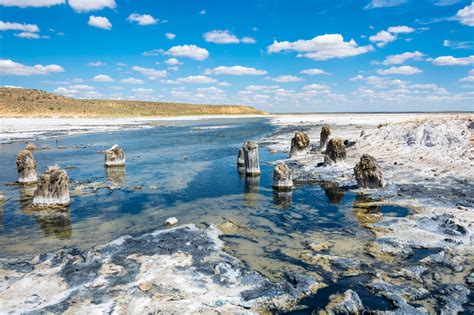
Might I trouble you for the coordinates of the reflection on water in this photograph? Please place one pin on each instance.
(115, 175)
(251, 190)
(333, 192)
(282, 199)
(56, 224)
(27, 193)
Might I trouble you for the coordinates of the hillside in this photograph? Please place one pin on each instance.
(36, 103)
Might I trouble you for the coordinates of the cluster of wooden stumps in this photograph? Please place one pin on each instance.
(52, 186)
(367, 172)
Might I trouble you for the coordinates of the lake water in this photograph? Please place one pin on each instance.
(187, 170)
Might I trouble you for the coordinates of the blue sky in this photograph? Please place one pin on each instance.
(279, 56)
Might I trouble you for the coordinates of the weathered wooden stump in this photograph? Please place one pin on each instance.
(30, 146)
(335, 152)
(52, 188)
(299, 143)
(26, 167)
(324, 136)
(252, 164)
(368, 173)
(241, 157)
(114, 156)
(282, 177)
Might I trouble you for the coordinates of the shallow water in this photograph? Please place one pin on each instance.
(188, 171)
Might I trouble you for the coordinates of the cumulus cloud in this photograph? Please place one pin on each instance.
(150, 72)
(469, 79)
(382, 38)
(31, 3)
(100, 22)
(374, 4)
(142, 19)
(187, 51)
(102, 78)
(170, 36)
(196, 79)
(88, 5)
(29, 35)
(82, 87)
(226, 37)
(96, 64)
(132, 81)
(65, 91)
(235, 70)
(401, 58)
(9, 26)
(142, 91)
(466, 15)
(9, 67)
(321, 47)
(316, 87)
(173, 62)
(453, 61)
(404, 70)
(285, 78)
(313, 71)
(400, 29)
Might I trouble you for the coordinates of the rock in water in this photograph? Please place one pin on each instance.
(52, 188)
(171, 221)
(115, 156)
(368, 173)
(347, 303)
(299, 142)
(282, 177)
(241, 157)
(26, 167)
(335, 152)
(252, 164)
(324, 137)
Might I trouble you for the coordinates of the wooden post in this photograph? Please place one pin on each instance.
(299, 143)
(252, 164)
(324, 137)
(26, 167)
(335, 152)
(282, 177)
(114, 156)
(368, 173)
(52, 188)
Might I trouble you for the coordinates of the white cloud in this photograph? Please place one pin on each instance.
(400, 29)
(196, 79)
(100, 22)
(458, 44)
(150, 72)
(96, 64)
(446, 2)
(142, 91)
(82, 87)
(471, 72)
(91, 5)
(170, 36)
(29, 35)
(401, 58)
(65, 91)
(132, 81)
(173, 62)
(321, 47)
(221, 37)
(142, 19)
(403, 70)
(316, 87)
(466, 15)
(453, 61)
(9, 26)
(102, 78)
(467, 79)
(373, 4)
(30, 3)
(313, 71)
(235, 70)
(226, 37)
(285, 79)
(188, 51)
(9, 67)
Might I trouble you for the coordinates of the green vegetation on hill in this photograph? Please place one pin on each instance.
(16, 102)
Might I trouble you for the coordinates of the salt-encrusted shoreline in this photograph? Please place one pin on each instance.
(17, 129)
(428, 163)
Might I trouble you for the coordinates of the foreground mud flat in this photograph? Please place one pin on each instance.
(165, 271)
(423, 262)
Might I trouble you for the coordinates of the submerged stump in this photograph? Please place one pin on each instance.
(26, 167)
(335, 152)
(252, 164)
(241, 157)
(368, 173)
(324, 136)
(114, 156)
(52, 188)
(299, 143)
(282, 177)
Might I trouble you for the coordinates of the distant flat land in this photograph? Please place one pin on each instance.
(16, 102)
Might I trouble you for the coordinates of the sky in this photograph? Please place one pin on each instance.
(276, 55)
